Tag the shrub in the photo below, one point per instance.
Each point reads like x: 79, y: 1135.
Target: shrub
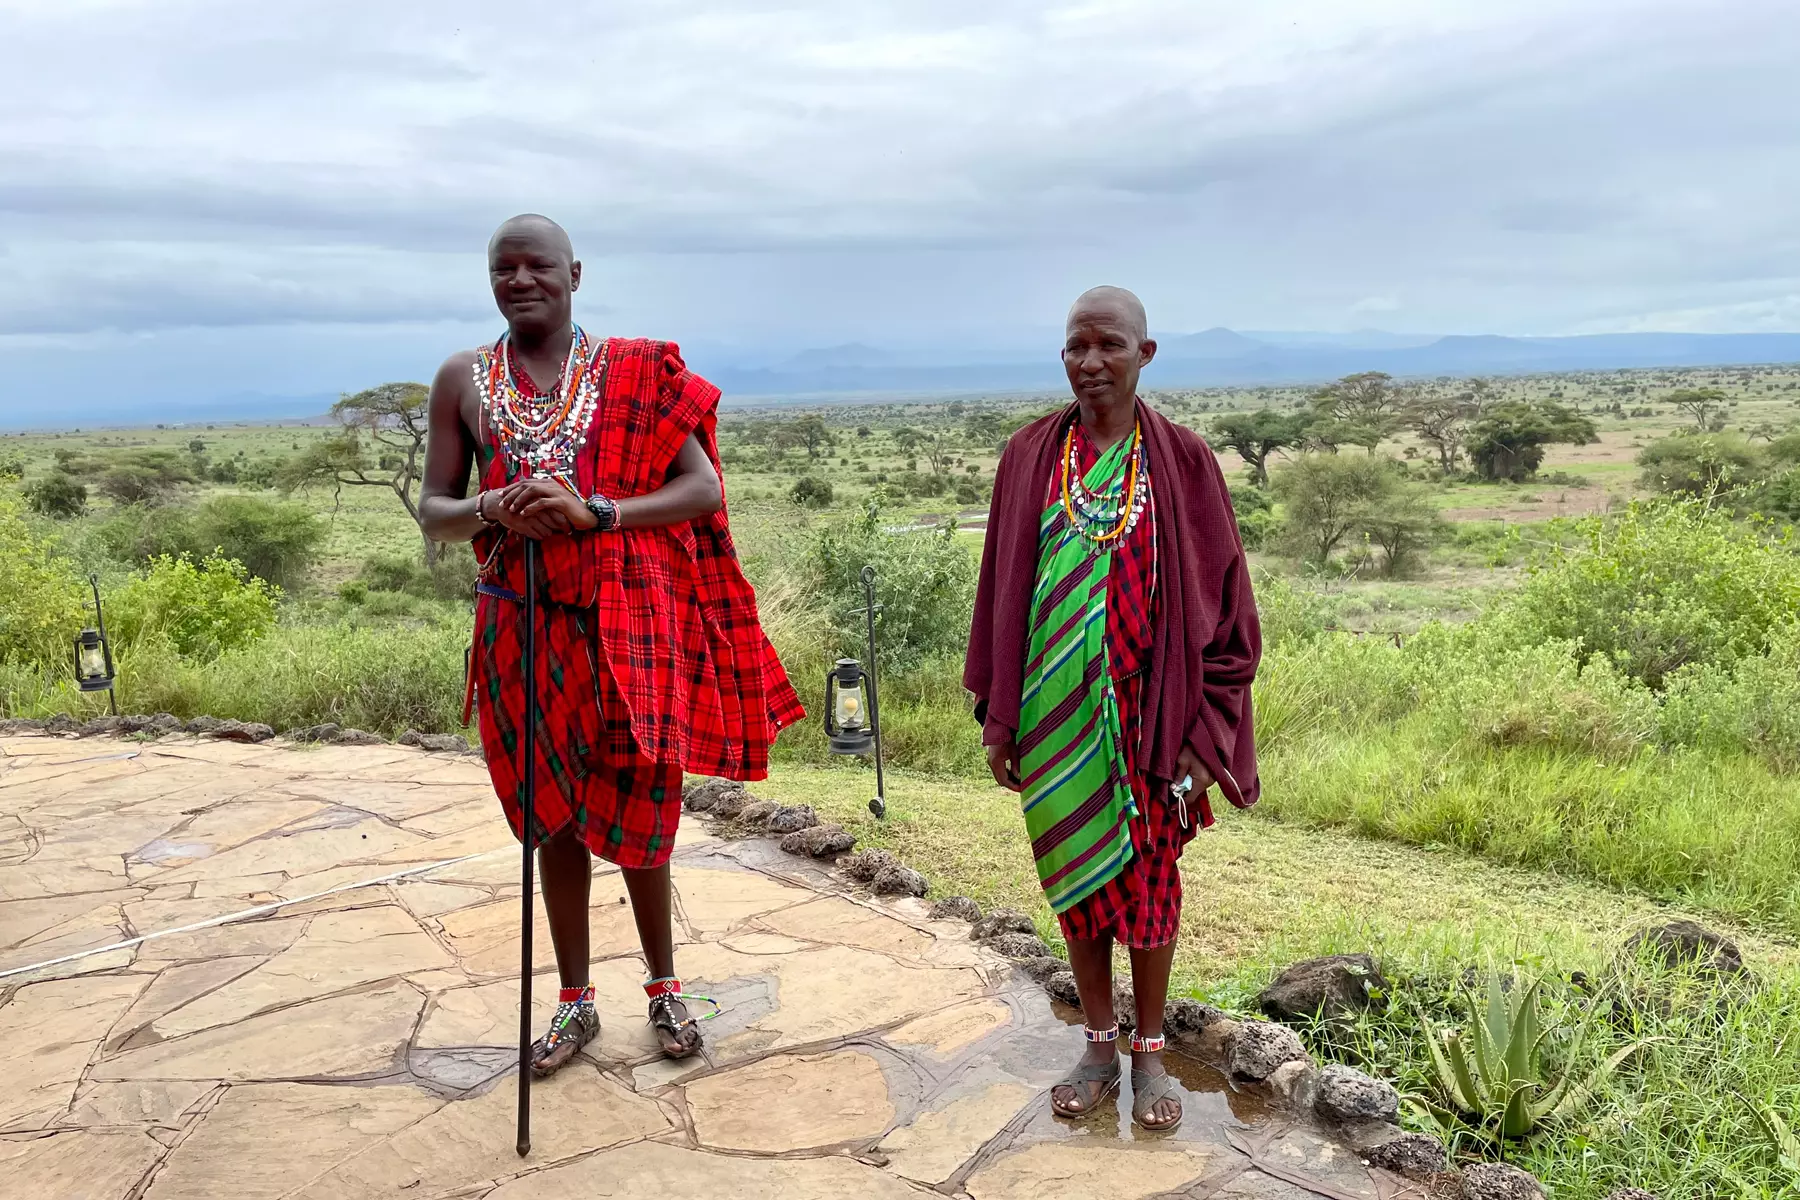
x: 57, y: 494
x: 41, y: 601
x: 1753, y: 704
x: 274, y: 541
x: 1697, y: 464
x: 1329, y: 498
x: 199, y: 610
x: 142, y: 476
x: 925, y: 583
x: 1661, y: 586
x: 1255, y: 512
x: 452, y: 578
x: 1405, y: 525
x: 811, y: 492
x: 12, y: 467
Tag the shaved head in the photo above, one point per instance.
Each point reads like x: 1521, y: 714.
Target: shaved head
x: 531, y: 226
x: 1117, y: 301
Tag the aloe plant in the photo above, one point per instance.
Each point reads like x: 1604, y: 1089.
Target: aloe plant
x: 1493, y: 1075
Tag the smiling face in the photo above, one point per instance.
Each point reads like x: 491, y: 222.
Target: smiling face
x: 533, y: 272
x: 1106, y: 347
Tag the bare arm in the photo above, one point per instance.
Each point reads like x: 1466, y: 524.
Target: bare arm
x: 691, y: 489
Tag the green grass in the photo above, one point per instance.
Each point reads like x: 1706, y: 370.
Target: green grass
x: 1261, y: 893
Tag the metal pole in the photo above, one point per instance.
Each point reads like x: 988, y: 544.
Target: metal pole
x: 112, y: 693
x: 528, y: 821
x: 879, y: 805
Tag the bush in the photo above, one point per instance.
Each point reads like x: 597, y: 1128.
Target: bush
x: 274, y: 541
x: 1751, y: 705
x: 1255, y: 512
x: 1329, y: 500
x: 925, y: 583
x: 1404, y: 524
x: 1698, y: 464
x: 1662, y: 586
x: 811, y: 492
x: 141, y: 476
x: 453, y: 578
x: 41, y: 601
x: 200, y: 611
x: 57, y: 494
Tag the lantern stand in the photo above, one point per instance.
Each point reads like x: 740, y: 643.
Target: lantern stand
x: 93, y: 655
x: 878, y: 805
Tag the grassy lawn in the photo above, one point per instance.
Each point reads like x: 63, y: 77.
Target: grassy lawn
x: 1261, y: 893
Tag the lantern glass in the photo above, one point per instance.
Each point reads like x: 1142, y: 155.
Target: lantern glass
x: 849, y: 708
x: 93, y: 670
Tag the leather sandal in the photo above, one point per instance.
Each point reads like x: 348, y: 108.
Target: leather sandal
x: 574, y: 1024
x: 664, y: 994
x: 1086, y: 1074
x: 1148, y: 1089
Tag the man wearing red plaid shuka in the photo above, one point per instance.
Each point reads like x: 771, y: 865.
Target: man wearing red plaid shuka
x: 651, y: 659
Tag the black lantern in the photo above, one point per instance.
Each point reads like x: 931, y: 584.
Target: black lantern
x: 93, y: 655
x: 847, y: 722
x: 853, y: 706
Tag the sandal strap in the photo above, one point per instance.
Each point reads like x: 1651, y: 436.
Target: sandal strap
x: 1100, y: 1035
x: 1091, y: 1073
x: 1150, y: 1045
x: 1147, y: 1089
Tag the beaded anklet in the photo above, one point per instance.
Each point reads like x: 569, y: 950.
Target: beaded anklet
x: 1150, y: 1045
x: 664, y: 992
x: 569, y: 1003
x: 1100, y: 1035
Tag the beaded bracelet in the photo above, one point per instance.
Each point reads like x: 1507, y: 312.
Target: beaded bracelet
x: 480, y: 515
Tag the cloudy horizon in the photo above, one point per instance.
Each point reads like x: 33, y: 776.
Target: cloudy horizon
x: 288, y: 202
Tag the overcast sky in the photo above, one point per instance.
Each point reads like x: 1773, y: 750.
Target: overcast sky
x: 287, y: 197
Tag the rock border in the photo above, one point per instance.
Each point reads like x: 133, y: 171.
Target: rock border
x: 155, y: 726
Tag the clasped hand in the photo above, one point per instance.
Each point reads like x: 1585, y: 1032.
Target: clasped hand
x: 538, y: 509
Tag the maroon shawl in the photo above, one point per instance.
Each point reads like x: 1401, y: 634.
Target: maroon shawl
x: 1207, y: 639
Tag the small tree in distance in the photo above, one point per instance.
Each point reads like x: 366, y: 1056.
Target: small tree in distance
x: 381, y: 443
x: 1508, y: 441
x: 1257, y: 435
x: 1706, y: 406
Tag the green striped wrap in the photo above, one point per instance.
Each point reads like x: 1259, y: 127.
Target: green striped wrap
x: 1077, y: 797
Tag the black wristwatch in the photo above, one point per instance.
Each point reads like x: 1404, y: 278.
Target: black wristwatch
x: 606, y: 513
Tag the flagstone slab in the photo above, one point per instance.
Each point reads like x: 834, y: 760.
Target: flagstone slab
x: 488, y: 1015
x: 360, y: 1034
x: 148, y: 1102
x: 23, y: 922
x: 79, y: 1164
x: 940, y: 1140
x: 576, y: 1110
x: 792, y: 1102
x: 35, y: 880
x: 48, y: 1033
x: 1306, y: 1154
x: 1071, y: 1169
x: 947, y: 1033
x: 300, y: 852
x: 656, y: 1169
x: 714, y: 901
x: 259, y: 936
x: 263, y: 1141
x: 485, y: 938
x: 179, y: 984
x: 225, y: 824
x: 836, y: 921
x: 339, y: 950
x: 424, y: 898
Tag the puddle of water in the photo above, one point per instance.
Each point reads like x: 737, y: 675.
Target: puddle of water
x: 1210, y: 1101
x: 162, y: 850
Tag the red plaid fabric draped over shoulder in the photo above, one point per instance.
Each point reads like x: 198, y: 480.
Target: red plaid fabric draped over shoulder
x: 676, y: 619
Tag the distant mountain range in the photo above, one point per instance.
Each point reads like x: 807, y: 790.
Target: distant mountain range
x: 1220, y: 357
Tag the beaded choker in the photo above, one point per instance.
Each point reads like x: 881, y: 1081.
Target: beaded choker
x: 541, y: 433
x: 1106, y: 515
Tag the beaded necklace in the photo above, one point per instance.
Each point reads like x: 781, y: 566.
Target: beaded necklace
x: 1105, y: 515
x: 541, y: 433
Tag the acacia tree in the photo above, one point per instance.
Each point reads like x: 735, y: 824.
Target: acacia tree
x: 1441, y: 419
x: 809, y: 431
x: 1508, y: 441
x: 1704, y: 405
x: 380, y: 443
x: 1357, y: 410
x: 1257, y: 435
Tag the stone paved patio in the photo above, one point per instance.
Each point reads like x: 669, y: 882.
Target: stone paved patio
x: 360, y: 1042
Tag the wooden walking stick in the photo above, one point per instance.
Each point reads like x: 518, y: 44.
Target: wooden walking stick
x: 528, y: 815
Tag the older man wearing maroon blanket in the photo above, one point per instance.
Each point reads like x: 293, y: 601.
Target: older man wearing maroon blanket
x: 1114, y: 644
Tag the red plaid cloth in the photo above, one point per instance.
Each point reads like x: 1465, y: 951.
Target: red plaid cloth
x: 652, y: 632
x: 1140, y: 906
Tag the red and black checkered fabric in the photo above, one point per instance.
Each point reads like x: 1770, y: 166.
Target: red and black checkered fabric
x: 653, y: 632
x: 1140, y: 906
